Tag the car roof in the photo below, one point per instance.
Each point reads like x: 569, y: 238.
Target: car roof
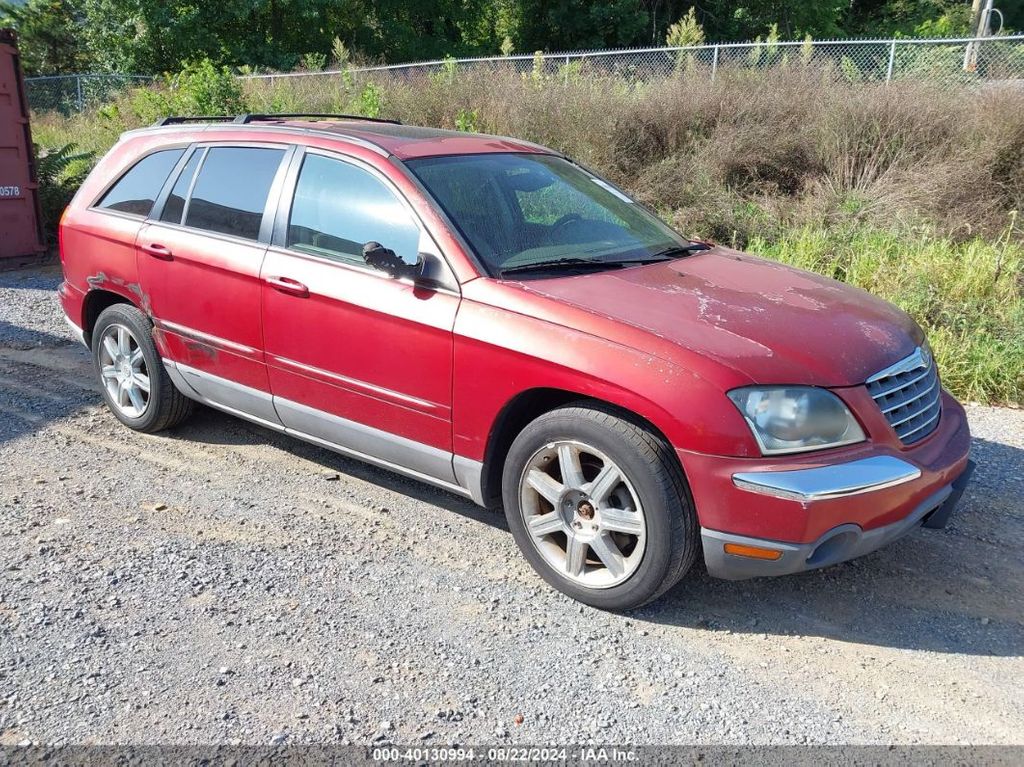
x: 410, y: 141
x: 405, y: 142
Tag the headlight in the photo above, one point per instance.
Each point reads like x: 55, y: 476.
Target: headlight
x: 792, y: 419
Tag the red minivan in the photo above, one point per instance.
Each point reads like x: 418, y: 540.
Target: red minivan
x: 486, y: 315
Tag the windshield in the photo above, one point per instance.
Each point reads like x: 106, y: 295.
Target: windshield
x: 521, y: 210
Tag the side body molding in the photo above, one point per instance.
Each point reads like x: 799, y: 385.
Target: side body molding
x: 389, y: 451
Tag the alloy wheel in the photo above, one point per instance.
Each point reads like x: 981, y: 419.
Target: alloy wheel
x: 123, y: 371
x: 582, y: 514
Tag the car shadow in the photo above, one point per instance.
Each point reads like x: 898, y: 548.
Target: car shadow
x: 213, y: 427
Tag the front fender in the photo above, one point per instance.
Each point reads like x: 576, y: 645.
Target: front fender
x: 499, y: 354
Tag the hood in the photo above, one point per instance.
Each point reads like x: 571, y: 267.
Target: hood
x: 772, y: 323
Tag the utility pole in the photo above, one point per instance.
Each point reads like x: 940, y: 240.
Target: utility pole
x: 981, y: 13
x: 977, y: 8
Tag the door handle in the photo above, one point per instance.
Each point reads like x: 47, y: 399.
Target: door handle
x: 289, y: 286
x: 157, y: 250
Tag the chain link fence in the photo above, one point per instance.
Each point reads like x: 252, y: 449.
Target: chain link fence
x: 952, y: 60
x: 75, y: 93
x: 984, y: 60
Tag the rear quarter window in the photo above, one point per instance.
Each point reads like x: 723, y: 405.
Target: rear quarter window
x: 137, y: 189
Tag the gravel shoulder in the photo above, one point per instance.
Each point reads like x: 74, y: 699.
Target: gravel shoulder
x: 221, y: 583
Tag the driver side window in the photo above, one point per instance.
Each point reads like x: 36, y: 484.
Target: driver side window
x: 339, y: 207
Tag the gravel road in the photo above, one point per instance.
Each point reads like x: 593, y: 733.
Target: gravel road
x: 224, y: 584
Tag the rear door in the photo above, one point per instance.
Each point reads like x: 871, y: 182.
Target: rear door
x: 98, y: 242
x: 199, y: 259
x: 355, y: 358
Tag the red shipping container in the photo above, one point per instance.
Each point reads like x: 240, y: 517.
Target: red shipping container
x: 20, y: 226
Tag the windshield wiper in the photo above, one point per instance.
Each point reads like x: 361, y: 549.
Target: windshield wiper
x: 680, y: 250
x: 558, y: 264
x: 575, y: 262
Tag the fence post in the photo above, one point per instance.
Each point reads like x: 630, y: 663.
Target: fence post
x: 566, y: 71
x: 714, y: 63
x: 78, y: 88
x: 892, y: 60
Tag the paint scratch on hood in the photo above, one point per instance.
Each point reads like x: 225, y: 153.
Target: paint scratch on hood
x: 774, y: 323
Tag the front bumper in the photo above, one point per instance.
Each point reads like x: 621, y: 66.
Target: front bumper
x: 826, y: 508
x: 841, y: 543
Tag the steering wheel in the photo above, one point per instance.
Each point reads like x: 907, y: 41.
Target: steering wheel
x: 568, y: 218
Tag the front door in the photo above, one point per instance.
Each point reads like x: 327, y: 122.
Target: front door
x: 357, y: 359
x: 199, y: 262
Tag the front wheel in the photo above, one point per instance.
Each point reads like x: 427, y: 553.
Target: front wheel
x: 599, y: 507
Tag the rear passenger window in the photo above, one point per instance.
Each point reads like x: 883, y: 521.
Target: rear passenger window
x: 338, y: 208
x: 137, y: 190
x: 231, y: 190
x: 175, y: 205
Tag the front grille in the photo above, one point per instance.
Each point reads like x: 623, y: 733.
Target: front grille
x: 908, y: 394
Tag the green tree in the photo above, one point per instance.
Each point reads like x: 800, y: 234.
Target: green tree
x: 552, y: 25
x: 793, y: 18
x: 887, y: 18
x: 152, y: 36
x: 737, y: 21
x: 399, y: 30
x: 149, y: 36
x: 49, y: 35
x: 685, y: 32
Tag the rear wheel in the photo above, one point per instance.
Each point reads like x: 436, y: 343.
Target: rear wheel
x: 136, y: 387
x: 599, y: 507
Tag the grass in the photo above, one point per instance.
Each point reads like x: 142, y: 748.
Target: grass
x: 908, y: 190
x: 966, y: 295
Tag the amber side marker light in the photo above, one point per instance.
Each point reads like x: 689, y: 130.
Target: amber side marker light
x: 754, y: 552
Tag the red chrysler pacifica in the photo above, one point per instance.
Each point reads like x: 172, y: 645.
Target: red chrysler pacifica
x: 484, y: 314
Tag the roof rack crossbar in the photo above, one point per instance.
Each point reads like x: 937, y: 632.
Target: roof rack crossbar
x: 182, y: 119
x: 250, y: 118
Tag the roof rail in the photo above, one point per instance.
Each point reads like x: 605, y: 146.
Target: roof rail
x: 251, y: 118
x: 246, y: 119
x: 182, y: 119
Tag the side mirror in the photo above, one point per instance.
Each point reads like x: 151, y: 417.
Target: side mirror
x: 386, y: 260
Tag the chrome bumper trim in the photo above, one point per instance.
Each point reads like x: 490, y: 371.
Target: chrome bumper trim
x: 840, y: 480
x: 78, y: 332
x: 839, y: 544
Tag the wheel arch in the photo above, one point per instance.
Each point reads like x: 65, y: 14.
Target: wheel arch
x: 529, y: 405
x: 95, y: 302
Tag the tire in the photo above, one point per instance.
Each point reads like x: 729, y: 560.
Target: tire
x: 648, y: 515
x: 120, y: 371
